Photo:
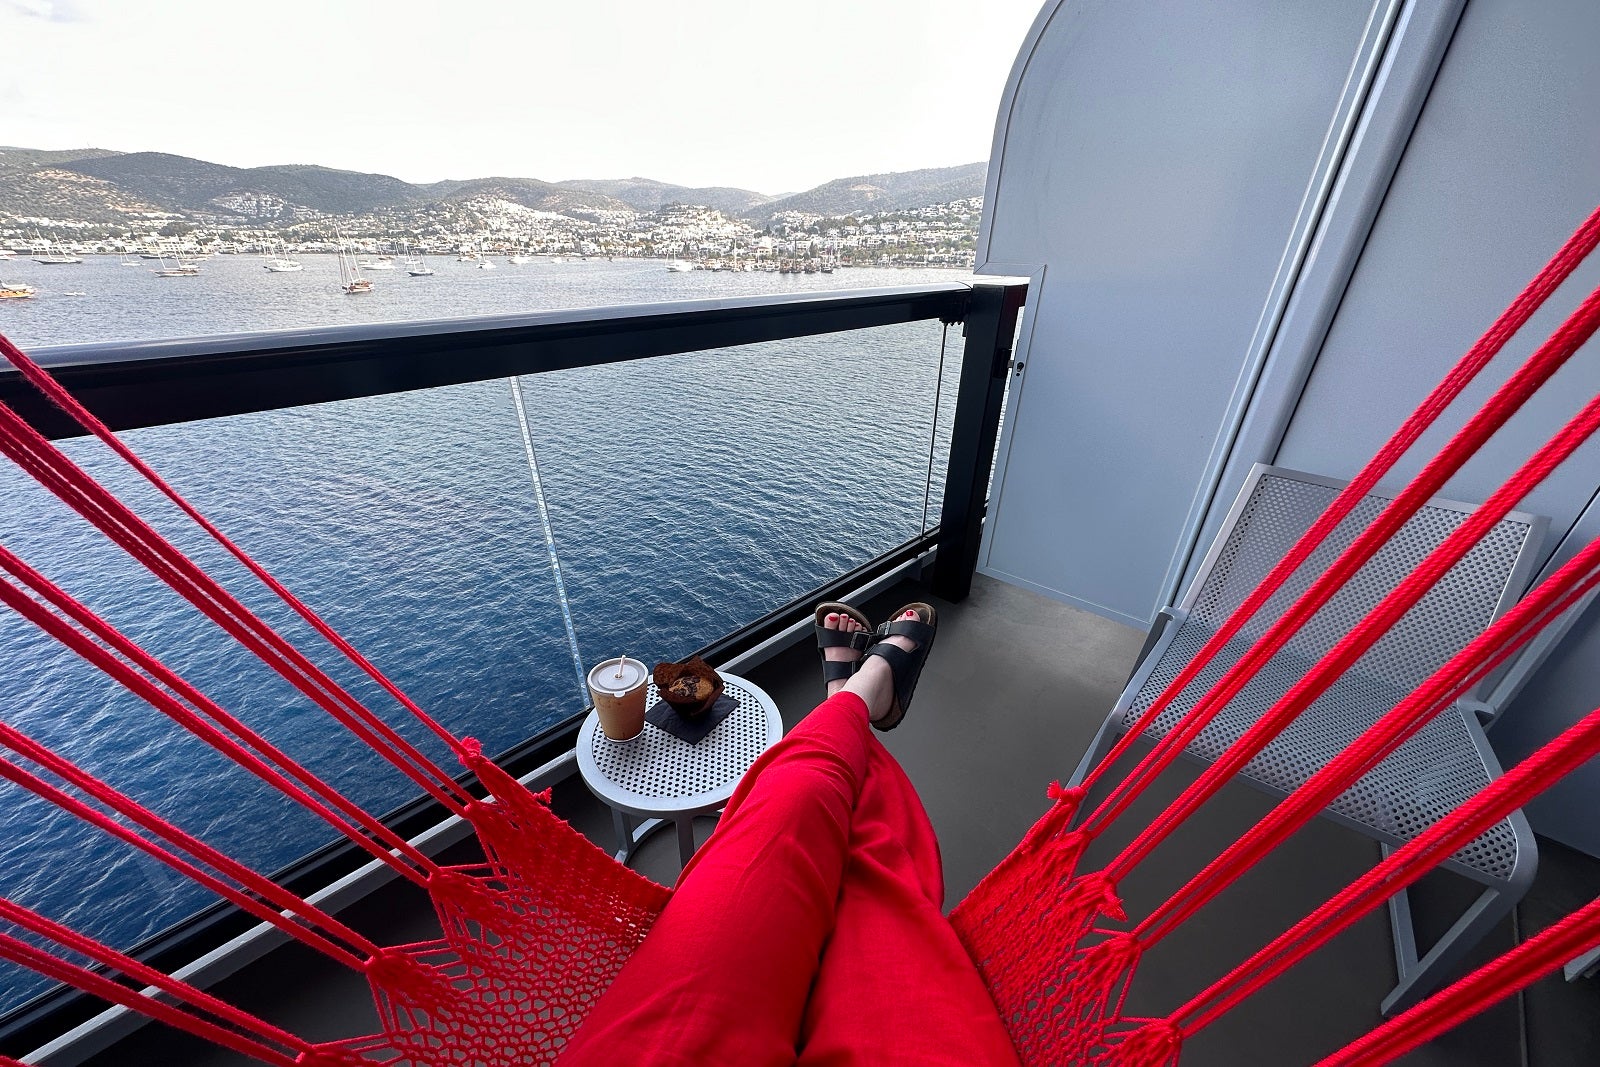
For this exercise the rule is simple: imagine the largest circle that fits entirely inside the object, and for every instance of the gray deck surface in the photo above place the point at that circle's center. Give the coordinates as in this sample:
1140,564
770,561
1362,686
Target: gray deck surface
1015,690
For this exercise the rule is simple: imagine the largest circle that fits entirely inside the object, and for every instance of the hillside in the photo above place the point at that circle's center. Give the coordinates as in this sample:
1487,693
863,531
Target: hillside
530,193
184,184
646,194
95,186
53,193
883,192
38,157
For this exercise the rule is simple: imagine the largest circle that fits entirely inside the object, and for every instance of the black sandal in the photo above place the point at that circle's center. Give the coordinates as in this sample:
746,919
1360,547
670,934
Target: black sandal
905,666
838,670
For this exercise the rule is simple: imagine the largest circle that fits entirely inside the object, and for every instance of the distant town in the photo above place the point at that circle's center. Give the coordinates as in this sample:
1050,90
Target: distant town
148,203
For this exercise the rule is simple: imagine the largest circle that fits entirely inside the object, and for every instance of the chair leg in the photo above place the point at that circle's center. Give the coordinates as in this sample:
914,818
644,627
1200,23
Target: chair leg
1103,742
1420,977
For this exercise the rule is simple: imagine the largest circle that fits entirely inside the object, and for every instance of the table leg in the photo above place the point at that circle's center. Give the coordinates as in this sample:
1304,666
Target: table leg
685,838
624,828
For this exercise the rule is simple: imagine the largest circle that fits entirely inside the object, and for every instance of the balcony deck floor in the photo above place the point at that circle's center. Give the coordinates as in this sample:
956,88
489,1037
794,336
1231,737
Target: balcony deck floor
1015,691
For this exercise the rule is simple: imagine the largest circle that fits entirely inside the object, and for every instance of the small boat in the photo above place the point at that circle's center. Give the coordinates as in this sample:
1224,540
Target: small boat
381,263
416,265
350,279
16,291
182,270
679,266
279,262
519,258
128,260
53,258
484,264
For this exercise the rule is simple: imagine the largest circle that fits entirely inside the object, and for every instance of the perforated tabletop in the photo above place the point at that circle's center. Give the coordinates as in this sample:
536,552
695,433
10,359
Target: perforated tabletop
657,774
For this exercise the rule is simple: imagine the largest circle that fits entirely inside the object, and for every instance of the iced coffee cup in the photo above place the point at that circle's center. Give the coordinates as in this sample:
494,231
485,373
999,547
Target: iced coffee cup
617,688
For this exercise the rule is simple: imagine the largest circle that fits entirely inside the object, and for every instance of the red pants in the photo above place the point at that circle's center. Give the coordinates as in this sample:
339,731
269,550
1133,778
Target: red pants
808,929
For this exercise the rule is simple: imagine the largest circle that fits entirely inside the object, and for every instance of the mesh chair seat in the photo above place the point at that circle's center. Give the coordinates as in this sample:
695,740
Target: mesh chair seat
1425,778
1437,769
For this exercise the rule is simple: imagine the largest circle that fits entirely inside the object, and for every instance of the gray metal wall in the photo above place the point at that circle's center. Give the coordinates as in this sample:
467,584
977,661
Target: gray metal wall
1156,163
1165,356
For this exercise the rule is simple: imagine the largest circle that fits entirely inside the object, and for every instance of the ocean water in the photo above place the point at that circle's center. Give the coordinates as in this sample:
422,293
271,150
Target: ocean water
687,495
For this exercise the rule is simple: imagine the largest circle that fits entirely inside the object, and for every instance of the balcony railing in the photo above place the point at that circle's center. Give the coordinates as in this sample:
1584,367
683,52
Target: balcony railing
684,379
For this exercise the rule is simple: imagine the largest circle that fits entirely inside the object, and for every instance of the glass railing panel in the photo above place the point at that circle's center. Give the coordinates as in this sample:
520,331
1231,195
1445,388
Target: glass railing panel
405,520
692,494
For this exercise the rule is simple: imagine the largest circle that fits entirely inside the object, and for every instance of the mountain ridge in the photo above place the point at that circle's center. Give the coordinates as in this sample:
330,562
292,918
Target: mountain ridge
101,185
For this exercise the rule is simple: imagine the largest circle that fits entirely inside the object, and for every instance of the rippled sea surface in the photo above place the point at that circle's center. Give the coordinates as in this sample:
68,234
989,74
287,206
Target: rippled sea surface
687,495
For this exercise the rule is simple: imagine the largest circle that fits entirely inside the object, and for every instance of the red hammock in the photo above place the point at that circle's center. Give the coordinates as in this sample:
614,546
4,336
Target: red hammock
531,937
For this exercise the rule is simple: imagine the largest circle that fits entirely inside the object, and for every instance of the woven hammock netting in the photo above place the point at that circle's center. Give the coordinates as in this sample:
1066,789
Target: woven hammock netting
532,936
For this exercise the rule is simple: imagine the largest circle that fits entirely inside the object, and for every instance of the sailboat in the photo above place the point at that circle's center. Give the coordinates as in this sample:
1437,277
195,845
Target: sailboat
416,266
350,279
53,258
180,270
280,263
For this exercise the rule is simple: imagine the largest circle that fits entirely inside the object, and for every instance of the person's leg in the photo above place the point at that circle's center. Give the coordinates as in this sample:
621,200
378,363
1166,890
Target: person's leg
895,985
724,975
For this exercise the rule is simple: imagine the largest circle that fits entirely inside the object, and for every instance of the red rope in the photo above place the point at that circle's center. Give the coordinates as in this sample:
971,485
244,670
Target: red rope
1512,790
1571,335
252,904
46,384
101,644
1554,596
1576,249
48,465
254,1042
1493,982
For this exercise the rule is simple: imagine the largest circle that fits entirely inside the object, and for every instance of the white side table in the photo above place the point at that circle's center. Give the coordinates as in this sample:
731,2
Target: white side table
662,778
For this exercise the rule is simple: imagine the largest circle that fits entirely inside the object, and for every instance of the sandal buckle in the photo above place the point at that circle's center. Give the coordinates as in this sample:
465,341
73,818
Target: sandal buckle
861,640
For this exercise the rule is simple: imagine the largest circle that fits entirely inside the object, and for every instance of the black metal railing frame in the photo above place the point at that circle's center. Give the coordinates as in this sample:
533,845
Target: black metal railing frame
151,383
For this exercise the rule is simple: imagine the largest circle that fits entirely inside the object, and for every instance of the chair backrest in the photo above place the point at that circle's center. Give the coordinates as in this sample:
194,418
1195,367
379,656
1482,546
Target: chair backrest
1277,505
1448,760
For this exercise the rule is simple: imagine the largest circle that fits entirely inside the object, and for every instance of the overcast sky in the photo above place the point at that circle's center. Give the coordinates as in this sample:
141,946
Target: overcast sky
771,95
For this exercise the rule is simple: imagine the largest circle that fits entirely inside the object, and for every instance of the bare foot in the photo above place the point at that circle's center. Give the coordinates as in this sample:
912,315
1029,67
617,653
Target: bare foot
873,681
842,653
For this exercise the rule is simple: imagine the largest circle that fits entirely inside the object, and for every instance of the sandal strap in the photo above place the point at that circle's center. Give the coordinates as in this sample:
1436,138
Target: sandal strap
838,670
827,637
904,666
915,629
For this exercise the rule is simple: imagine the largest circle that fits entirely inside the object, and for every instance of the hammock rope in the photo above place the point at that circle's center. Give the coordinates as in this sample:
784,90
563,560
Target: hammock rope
79,491
69,404
1572,253
547,919
143,675
1506,401
1062,997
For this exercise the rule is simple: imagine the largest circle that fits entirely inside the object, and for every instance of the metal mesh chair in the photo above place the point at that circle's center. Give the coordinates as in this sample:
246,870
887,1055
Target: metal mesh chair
1443,765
